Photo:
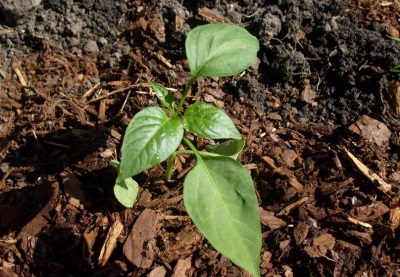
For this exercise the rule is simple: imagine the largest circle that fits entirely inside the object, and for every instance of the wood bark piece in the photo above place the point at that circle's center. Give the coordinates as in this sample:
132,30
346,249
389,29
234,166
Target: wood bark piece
296,184
372,130
394,215
16,67
211,16
300,232
110,243
394,94
292,206
89,237
369,212
288,173
321,245
159,271
138,247
270,220
371,176
181,267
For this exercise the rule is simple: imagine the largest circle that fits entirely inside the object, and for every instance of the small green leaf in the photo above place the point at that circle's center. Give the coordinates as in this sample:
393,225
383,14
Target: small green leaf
164,95
207,121
126,191
115,164
395,69
218,50
393,38
149,139
219,197
170,165
230,148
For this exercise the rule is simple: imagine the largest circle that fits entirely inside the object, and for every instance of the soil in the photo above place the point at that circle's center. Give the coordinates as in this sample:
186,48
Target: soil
319,110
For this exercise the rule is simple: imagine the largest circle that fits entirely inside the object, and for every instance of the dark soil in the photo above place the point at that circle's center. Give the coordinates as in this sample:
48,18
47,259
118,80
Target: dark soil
73,74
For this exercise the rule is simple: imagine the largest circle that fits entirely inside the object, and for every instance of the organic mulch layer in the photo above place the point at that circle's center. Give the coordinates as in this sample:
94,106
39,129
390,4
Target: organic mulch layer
319,111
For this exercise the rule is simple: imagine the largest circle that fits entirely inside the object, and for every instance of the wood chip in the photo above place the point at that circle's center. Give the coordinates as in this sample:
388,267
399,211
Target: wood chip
163,60
159,271
270,220
292,206
394,94
371,176
211,16
321,245
394,215
139,246
89,237
369,212
300,232
308,94
362,236
371,130
182,267
296,184
288,156
111,242
358,222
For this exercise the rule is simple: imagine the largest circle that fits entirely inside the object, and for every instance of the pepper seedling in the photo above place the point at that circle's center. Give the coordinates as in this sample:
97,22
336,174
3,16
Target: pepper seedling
218,191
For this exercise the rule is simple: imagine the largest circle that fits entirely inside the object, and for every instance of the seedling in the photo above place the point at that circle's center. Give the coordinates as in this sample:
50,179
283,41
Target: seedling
218,191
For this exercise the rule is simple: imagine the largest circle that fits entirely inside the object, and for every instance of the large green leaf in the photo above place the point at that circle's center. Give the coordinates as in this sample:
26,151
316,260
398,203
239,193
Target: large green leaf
207,121
219,197
164,95
217,50
149,139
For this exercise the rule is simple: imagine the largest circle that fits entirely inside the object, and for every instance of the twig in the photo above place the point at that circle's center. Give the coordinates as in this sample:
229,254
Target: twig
117,91
371,176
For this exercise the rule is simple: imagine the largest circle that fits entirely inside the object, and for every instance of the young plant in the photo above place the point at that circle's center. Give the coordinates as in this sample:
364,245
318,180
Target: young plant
218,191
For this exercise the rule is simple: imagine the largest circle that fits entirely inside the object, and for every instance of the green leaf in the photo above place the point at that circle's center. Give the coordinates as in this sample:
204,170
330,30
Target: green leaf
395,69
170,165
219,197
206,120
230,148
393,38
218,50
164,95
149,139
126,191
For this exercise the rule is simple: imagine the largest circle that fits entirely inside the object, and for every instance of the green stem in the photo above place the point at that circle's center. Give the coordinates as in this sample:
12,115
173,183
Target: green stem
185,92
194,151
191,146
201,153
184,152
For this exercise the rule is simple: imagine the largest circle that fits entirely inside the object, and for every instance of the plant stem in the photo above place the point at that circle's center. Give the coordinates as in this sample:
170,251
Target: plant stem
191,146
185,92
201,153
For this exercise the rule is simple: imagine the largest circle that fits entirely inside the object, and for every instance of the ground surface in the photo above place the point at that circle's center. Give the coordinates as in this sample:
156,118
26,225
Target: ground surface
73,74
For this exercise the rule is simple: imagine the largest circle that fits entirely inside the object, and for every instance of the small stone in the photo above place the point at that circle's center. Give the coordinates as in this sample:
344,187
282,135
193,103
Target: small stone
90,47
4,167
102,41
